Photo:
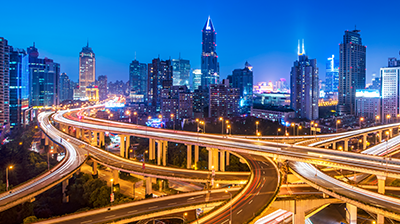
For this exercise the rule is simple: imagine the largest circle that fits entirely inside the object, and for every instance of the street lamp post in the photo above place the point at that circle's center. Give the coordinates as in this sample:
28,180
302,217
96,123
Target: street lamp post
376,119
257,126
173,120
230,219
111,194
222,124
337,125
229,130
279,130
311,124
129,114
294,126
137,117
387,118
197,121
298,128
361,120
349,214
316,125
48,159
7,183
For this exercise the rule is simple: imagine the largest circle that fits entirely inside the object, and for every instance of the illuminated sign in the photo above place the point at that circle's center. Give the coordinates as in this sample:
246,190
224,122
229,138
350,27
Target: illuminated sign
114,104
155,123
368,93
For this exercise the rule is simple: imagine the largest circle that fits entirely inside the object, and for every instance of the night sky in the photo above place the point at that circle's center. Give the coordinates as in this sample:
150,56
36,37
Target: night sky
264,33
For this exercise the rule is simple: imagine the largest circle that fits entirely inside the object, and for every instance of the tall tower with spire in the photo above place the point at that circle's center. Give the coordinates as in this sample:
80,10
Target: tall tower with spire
87,67
209,57
304,88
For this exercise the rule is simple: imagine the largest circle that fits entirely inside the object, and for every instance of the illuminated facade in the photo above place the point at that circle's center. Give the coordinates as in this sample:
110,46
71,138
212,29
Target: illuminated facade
272,113
181,72
351,70
177,100
209,57
224,100
390,91
159,77
332,75
19,87
368,103
243,80
66,88
102,85
87,68
138,76
196,79
92,94
4,84
304,91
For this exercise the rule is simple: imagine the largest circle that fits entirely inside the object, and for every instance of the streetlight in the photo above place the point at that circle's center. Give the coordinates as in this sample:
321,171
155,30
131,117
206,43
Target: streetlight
48,159
361,120
197,121
8,168
137,118
311,124
376,118
294,126
230,219
298,128
398,116
204,126
359,141
229,130
349,214
387,118
129,114
222,124
257,126
337,124
279,130
111,195
173,120
316,125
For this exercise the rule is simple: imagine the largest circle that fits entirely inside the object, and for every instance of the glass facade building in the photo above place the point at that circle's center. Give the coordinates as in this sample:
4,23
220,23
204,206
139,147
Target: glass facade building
209,57
66,88
243,80
181,72
332,75
138,75
4,84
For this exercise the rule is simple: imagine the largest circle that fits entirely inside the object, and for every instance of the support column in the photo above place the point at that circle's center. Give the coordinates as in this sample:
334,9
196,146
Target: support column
189,156
64,191
334,145
115,177
77,133
213,159
227,158
196,154
164,156
102,140
152,149
159,152
222,160
381,184
122,146
380,136
94,168
148,185
380,219
346,145
352,211
299,215
93,140
391,133
365,141
46,140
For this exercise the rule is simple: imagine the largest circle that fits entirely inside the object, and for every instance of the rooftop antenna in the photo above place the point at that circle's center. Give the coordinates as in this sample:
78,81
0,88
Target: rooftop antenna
298,48
303,51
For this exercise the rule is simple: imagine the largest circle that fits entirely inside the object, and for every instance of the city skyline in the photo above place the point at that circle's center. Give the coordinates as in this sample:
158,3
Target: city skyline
270,54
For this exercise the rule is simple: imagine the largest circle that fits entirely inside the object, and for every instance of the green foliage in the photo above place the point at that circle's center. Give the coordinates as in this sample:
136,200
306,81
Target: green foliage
236,165
30,219
395,183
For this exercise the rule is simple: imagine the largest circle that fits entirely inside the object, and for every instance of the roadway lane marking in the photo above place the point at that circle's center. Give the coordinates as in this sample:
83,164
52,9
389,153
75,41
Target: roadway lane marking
153,207
172,203
110,216
132,211
239,211
251,201
225,221
86,221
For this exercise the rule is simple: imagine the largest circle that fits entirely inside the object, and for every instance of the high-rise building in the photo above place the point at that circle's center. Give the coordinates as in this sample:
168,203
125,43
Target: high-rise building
159,76
196,79
102,85
243,80
177,100
4,84
44,80
332,75
304,83
181,72
209,57
87,69
224,100
66,89
390,91
138,75
19,87
368,103
351,70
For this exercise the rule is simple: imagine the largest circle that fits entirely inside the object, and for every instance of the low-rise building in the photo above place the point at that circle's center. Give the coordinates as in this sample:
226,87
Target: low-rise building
368,103
272,113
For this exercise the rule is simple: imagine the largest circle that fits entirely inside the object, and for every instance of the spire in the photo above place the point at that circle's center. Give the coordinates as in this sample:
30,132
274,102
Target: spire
208,25
298,47
303,51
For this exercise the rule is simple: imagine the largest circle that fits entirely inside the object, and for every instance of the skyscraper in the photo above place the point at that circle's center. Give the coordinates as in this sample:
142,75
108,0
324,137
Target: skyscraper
332,74
224,100
196,79
390,88
138,81
304,90
243,80
87,69
66,89
159,77
351,70
102,85
181,72
19,86
44,80
209,57
4,83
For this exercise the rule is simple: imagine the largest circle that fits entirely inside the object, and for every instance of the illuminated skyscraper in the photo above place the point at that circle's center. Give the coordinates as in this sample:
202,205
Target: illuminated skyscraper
159,77
351,70
304,89
102,85
87,68
181,72
138,76
243,80
4,84
66,89
196,79
332,75
390,91
209,57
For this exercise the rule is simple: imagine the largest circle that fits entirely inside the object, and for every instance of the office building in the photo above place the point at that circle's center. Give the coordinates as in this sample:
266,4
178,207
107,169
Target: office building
351,70
87,69
181,72
44,80
224,101
138,76
368,103
304,83
390,91
272,99
273,113
177,100
196,79
243,80
4,86
209,57
332,75
160,76
66,89
102,86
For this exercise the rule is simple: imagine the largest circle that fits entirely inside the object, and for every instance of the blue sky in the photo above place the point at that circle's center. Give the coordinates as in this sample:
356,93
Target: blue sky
265,33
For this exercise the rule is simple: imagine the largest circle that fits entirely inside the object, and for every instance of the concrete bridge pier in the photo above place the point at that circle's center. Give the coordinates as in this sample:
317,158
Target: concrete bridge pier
162,152
379,135
351,214
222,160
189,156
196,154
380,219
381,184
152,149
115,177
94,168
124,145
334,145
227,158
149,184
93,139
213,160
346,145
391,133
64,191
102,141
365,141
